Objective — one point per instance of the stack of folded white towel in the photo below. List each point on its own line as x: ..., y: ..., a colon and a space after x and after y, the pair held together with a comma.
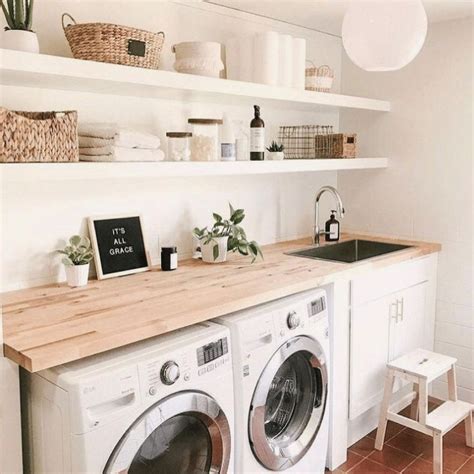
x: 109, y: 142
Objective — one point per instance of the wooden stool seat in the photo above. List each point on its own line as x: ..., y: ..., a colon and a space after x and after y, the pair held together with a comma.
x: 420, y: 367
x: 422, y: 363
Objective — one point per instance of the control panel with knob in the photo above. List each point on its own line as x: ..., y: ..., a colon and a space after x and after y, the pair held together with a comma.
x: 292, y: 320
x: 169, y: 372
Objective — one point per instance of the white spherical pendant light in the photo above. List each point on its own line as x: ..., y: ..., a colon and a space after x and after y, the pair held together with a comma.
x: 384, y: 35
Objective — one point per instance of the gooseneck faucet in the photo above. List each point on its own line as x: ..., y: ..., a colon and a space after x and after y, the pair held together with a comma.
x: 317, y: 232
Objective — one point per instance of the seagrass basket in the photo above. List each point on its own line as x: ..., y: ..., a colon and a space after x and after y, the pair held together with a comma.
x: 109, y: 43
x: 38, y: 137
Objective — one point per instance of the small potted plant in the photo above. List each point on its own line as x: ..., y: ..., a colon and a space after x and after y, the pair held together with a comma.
x: 275, y: 151
x: 77, y: 256
x: 18, y: 33
x: 226, y: 235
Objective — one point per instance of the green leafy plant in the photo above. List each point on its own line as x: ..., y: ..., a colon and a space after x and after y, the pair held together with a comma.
x: 77, y: 252
x: 18, y: 13
x: 229, y: 228
x: 275, y: 146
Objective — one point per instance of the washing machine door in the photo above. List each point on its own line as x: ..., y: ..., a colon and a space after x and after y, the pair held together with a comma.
x: 289, y: 403
x: 185, y: 433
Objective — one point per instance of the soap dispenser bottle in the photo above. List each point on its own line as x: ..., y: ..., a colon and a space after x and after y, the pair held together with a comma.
x: 332, y: 228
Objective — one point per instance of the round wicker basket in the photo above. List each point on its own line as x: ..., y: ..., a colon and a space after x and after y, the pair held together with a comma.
x: 109, y: 43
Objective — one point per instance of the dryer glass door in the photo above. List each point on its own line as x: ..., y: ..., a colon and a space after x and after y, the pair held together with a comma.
x: 186, y: 433
x: 289, y: 403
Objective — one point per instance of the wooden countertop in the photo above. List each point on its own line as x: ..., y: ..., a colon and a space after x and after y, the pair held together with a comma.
x: 51, y: 325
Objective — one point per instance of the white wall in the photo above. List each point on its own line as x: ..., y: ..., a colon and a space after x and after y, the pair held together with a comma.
x: 427, y: 191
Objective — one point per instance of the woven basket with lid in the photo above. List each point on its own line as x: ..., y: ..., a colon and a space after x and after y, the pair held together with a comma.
x: 109, y: 43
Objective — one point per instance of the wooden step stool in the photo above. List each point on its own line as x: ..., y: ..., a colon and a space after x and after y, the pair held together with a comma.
x: 421, y: 367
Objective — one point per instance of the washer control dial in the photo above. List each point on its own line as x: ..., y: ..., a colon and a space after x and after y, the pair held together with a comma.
x: 169, y: 372
x: 292, y: 320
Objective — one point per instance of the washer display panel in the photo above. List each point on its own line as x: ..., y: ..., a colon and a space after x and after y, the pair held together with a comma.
x: 288, y: 404
x: 186, y: 433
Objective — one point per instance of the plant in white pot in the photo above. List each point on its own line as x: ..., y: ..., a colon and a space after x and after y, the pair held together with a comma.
x: 275, y: 151
x: 18, y: 34
x: 77, y: 256
x: 226, y: 235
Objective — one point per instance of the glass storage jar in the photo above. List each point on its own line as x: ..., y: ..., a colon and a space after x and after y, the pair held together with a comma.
x: 205, y: 139
x: 179, y: 146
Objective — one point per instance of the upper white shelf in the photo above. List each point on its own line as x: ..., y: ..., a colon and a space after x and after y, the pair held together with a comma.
x: 56, y: 72
x: 35, y: 172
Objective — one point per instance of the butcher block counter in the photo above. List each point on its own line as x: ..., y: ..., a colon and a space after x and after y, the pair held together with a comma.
x: 51, y: 325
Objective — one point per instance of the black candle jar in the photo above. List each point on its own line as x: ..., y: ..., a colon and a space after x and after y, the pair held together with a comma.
x: 169, y: 258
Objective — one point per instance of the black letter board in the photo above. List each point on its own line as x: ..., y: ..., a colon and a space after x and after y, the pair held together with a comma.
x: 119, y: 247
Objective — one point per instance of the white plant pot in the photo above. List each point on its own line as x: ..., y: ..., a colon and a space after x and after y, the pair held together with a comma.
x: 20, y: 40
x: 207, y: 250
x: 77, y: 275
x: 275, y: 155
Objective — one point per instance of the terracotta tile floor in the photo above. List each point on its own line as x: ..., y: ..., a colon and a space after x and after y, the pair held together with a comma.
x: 409, y: 452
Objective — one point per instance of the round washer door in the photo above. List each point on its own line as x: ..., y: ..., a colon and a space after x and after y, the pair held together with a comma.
x: 185, y: 433
x: 289, y: 403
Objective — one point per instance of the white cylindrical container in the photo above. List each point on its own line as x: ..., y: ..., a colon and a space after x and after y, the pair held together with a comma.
x: 266, y: 58
x: 285, y: 78
x: 246, y: 58
x: 232, y: 59
x: 205, y: 139
x: 227, y: 140
x: 299, y: 62
x: 77, y: 275
x: 198, y: 57
x: 179, y: 147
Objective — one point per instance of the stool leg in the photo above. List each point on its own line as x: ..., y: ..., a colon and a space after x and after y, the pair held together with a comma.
x: 452, y: 388
x: 414, y: 403
x: 437, y: 453
x: 469, y: 431
x: 387, y: 395
x: 423, y: 401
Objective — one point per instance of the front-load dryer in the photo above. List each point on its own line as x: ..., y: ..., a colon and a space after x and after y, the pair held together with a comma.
x: 281, y: 369
x: 163, y: 405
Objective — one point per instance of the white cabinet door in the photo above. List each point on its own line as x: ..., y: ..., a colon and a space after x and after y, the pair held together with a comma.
x: 369, y: 350
x: 407, y: 329
x: 382, y: 330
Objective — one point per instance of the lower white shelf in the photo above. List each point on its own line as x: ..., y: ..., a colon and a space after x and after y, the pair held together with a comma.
x: 93, y: 171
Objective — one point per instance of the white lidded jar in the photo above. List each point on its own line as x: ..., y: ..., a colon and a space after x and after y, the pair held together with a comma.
x: 205, y: 139
x: 227, y: 140
x: 179, y: 146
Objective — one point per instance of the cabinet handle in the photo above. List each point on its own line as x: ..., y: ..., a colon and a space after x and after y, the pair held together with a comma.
x: 394, y: 306
x: 400, y: 304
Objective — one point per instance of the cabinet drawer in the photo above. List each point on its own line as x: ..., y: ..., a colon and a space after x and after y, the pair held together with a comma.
x: 379, y: 283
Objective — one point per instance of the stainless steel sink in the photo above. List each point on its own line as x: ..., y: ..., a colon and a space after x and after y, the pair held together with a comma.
x: 350, y: 251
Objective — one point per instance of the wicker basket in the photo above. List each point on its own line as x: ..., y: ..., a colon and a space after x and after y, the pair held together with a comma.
x: 336, y: 145
x: 109, y: 43
x: 29, y: 137
x: 318, y: 78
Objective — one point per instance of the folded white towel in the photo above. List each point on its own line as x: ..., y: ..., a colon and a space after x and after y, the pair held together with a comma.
x: 119, y: 154
x: 100, y: 134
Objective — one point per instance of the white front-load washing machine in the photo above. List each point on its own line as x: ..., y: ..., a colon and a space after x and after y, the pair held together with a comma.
x: 163, y: 405
x: 281, y: 369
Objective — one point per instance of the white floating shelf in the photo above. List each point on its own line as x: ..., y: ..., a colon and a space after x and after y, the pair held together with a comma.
x: 55, y: 72
x: 30, y: 172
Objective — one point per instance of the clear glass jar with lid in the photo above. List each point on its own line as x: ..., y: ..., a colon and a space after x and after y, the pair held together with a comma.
x: 205, y: 139
x: 179, y: 148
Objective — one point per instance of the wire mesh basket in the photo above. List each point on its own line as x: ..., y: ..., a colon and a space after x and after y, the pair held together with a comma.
x: 299, y: 141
